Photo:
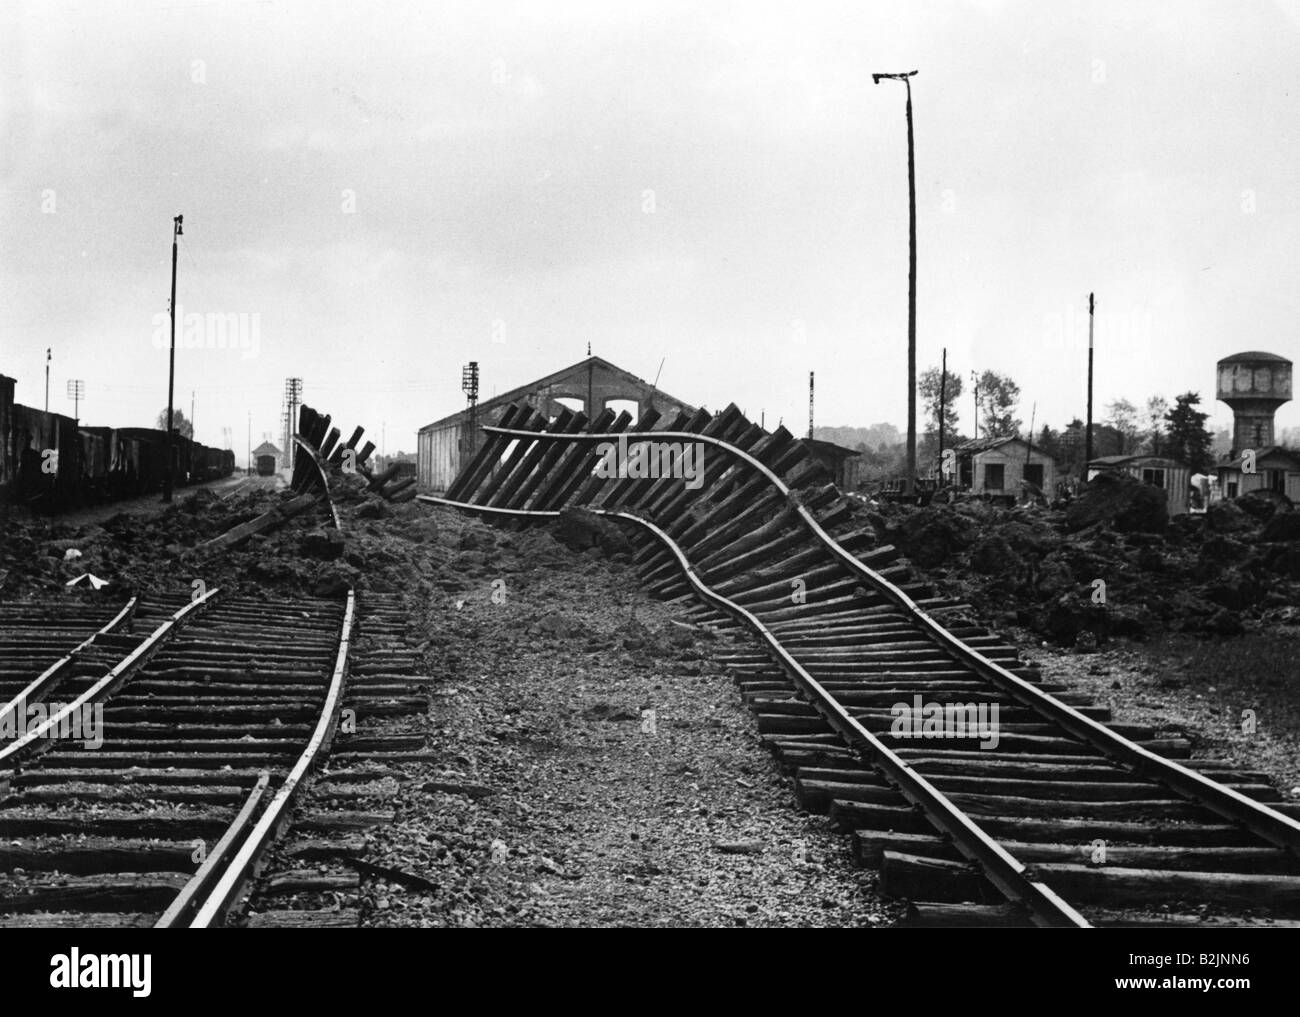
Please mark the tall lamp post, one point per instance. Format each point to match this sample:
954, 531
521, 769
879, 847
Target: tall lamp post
171, 370
910, 477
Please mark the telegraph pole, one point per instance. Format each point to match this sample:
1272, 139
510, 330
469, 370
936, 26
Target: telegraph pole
810, 405
943, 400
193, 434
1087, 432
171, 368
910, 478
976, 379
249, 467
76, 389
292, 397
47, 379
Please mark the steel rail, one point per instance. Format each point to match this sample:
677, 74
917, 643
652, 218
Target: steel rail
182, 908
38, 685
1004, 871
314, 455
1278, 829
227, 890
112, 681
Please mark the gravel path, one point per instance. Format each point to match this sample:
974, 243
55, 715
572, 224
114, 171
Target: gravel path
566, 802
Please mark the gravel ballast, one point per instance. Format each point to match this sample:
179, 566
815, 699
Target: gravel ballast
597, 768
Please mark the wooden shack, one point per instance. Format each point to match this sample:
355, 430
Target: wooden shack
1274, 469
1002, 467
838, 460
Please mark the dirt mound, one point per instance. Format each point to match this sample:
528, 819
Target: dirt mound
1284, 526
1262, 505
993, 555
1228, 517
580, 530
932, 536
1084, 578
1118, 500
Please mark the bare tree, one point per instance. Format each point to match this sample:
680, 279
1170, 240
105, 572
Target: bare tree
182, 426
1157, 411
1122, 415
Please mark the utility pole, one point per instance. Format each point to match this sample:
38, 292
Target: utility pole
47, 379
76, 389
292, 397
810, 405
1087, 431
171, 368
193, 434
249, 455
910, 479
943, 401
976, 379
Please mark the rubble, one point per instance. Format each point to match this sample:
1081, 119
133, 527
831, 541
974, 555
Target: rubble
1110, 565
580, 529
1120, 501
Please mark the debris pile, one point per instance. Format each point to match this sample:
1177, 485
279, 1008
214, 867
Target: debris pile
1112, 564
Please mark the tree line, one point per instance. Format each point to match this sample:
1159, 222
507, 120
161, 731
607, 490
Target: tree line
1174, 431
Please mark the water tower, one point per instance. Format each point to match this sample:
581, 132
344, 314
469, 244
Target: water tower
1254, 385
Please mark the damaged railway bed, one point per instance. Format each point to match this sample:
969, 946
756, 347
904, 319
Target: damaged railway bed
620, 672
1005, 800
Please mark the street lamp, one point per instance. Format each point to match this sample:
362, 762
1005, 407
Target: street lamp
909, 479
168, 479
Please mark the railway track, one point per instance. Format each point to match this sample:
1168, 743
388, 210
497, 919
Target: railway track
206, 718
1065, 818
208, 714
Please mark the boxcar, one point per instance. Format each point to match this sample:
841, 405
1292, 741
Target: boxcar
51, 463
96, 462
144, 452
46, 450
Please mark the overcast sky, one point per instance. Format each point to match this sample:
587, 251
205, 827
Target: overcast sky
387, 191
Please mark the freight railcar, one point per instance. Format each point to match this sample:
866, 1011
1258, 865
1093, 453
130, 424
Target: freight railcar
96, 463
210, 463
143, 461
46, 453
50, 463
